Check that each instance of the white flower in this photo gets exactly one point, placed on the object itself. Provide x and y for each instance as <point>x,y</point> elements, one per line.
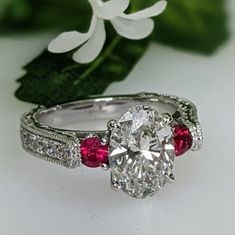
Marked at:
<point>133,26</point>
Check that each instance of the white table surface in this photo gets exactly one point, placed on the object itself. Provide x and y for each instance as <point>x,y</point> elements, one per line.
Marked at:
<point>37,197</point>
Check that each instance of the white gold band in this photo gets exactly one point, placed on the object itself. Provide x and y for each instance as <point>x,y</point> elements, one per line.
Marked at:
<point>139,146</point>
<point>43,136</point>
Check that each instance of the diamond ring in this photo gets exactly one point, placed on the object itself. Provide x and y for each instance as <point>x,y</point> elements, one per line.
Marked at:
<point>136,136</point>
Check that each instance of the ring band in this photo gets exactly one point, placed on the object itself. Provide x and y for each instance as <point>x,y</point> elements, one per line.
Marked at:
<point>135,136</point>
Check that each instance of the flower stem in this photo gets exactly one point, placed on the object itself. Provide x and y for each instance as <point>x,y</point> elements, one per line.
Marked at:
<point>100,59</point>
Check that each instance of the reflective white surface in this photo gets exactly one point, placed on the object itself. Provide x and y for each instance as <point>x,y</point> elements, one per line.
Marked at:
<point>37,197</point>
<point>94,114</point>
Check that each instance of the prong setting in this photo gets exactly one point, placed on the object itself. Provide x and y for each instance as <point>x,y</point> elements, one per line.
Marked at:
<point>112,124</point>
<point>105,166</point>
<point>169,178</point>
<point>167,119</point>
<point>116,186</point>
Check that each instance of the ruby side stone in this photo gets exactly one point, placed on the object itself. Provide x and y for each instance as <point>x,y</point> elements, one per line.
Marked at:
<point>93,152</point>
<point>182,139</point>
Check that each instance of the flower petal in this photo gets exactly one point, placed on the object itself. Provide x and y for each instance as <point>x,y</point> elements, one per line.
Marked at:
<point>70,40</point>
<point>89,51</point>
<point>152,11</point>
<point>67,41</point>
<point>133,29</point>
<point>110,9</point>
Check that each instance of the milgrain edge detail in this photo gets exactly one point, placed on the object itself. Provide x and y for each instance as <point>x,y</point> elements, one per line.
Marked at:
<point>69,140</point>
<point>188,115</point>
<point>67,145</point>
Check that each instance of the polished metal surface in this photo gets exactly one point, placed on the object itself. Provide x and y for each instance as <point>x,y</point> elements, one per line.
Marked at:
<point>66,125</point>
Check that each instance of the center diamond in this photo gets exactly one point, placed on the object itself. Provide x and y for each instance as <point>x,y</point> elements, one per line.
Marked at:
<point>141,153</point>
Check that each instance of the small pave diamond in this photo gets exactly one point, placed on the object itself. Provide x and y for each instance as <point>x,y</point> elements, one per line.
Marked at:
<point>141,152</point>
<point>52,150</point>
<point>71,156</point>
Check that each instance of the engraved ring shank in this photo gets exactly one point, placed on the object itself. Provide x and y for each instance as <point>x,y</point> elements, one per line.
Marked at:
<point>54,133</point>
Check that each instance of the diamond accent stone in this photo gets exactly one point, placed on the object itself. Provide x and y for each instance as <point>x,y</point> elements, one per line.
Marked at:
<point>141,152</point>
<point>50,149</point>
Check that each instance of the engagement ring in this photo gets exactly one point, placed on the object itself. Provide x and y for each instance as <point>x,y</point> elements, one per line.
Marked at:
<point>136,136</point>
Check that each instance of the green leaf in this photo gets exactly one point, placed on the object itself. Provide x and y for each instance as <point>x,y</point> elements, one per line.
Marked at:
<point>56,78</point>
<point>194,25</point>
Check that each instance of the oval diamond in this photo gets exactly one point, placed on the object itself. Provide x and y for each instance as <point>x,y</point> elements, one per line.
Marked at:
<point>141,154</point>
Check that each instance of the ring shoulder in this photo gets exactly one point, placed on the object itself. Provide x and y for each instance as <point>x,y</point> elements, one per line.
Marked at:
<point>48,144</point>
<point>186,113</point>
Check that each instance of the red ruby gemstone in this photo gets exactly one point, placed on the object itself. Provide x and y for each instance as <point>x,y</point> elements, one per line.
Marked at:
<point>182,139</point>
<point>93,152</point>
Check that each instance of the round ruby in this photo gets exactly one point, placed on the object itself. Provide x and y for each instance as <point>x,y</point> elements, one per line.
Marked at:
<point>93,152</point>
<point>182,139</point>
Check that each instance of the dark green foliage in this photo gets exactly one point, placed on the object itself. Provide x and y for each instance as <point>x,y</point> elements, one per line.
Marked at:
<point>34,15</point>
<point>196,25</point>
<point>53,78</point>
